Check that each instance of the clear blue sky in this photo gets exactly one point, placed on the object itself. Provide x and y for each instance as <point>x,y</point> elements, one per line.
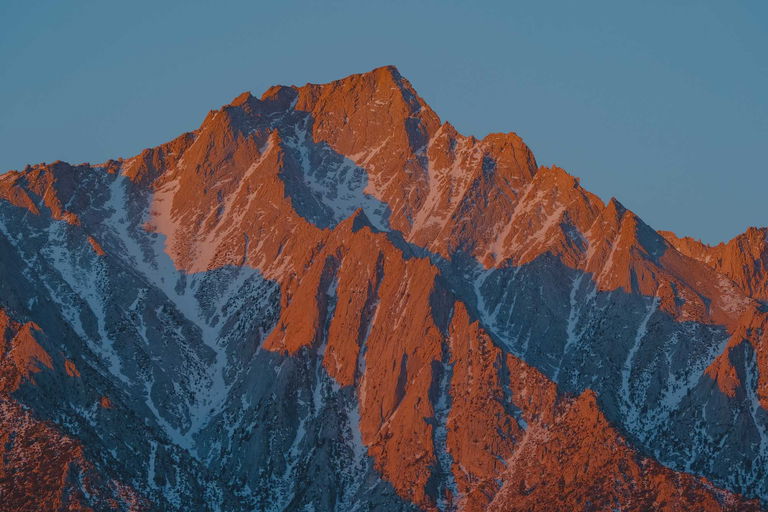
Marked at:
<point>661,104</point>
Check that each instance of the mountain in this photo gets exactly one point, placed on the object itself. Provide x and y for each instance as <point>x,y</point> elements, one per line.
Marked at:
<point>326,298</point>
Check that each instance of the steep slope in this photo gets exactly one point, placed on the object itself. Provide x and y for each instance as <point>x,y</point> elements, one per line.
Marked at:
<point>327,299</point>
<point>744,259</point>
<point>41,468</point>
<point>579,462</point>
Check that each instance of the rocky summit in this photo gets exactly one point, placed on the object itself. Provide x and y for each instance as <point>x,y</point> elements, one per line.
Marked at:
<point>328,299</point>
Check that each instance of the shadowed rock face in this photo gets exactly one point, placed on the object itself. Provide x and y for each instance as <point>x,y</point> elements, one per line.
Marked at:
<point>328,299</point>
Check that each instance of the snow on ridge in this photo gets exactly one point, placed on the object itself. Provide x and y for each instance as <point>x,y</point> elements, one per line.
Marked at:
<point>338,182</point>
<point>146,253</point>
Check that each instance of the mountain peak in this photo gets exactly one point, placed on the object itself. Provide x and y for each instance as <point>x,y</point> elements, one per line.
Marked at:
<point>388,74</point>
<point>615,208</point>
<point>328,279</point>
<point>242,98</point>
<point>378,87</point>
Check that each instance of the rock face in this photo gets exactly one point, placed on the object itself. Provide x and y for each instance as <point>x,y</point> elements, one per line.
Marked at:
<point>743,259</point>
<point>328,299</point>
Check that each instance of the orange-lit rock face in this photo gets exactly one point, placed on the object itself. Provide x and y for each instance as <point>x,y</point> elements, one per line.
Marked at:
<point>577,461</point>
<point>743,259</point>
<point>23,356</point>
<point>327,298</point>
<point>71,368</point>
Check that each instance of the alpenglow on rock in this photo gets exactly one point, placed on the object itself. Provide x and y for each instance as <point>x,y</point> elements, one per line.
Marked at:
<point>327,299</point>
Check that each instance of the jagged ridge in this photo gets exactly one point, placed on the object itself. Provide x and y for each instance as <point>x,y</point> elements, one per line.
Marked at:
<point>328,298</point>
